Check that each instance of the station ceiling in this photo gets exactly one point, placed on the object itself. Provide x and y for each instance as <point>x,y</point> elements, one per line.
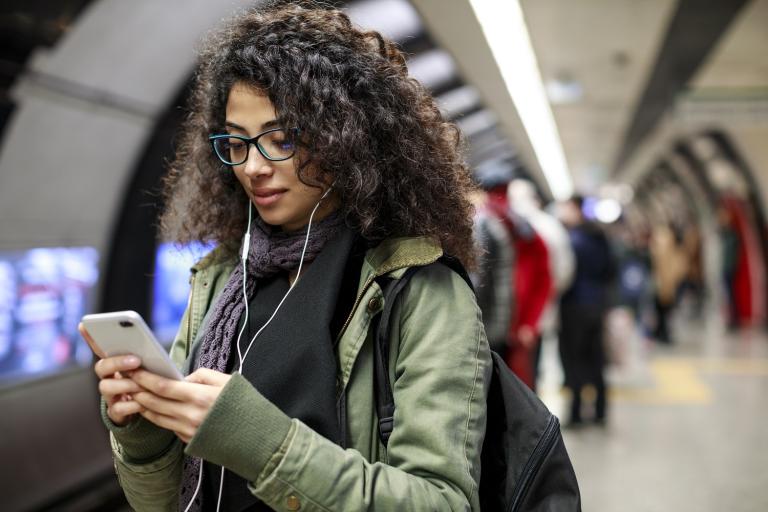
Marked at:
<point>102,73</point>
<point>614,70</point>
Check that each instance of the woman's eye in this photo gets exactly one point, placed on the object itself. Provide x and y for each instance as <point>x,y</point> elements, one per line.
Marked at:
<point>233,145</point>
<point>284,144</point>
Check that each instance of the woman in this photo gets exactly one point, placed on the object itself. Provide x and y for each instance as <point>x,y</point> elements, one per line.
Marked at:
<point>307,134</point>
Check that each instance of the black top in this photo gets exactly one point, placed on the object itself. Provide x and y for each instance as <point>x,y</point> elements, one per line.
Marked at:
<point>292,362</point>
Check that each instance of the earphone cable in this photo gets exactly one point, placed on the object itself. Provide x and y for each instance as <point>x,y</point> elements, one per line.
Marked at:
<point>244,258</point>
<point>197,489</point>
<point>221,490</point>
<point>241,356</point>
<point>298,274</point>
<point>244,254</point>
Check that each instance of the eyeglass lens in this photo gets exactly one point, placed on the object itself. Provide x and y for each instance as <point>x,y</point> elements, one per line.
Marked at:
<point>273,145</point>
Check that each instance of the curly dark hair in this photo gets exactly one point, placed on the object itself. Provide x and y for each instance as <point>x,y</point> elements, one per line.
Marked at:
<point>397,165</point>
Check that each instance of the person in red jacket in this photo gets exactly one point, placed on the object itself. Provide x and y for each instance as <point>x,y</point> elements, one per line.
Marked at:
<point>532,286</point>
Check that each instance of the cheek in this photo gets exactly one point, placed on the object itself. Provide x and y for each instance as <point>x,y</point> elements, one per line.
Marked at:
<point>309,195</point>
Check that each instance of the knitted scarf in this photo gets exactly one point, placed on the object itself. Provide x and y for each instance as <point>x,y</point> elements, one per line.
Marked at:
<point>271,251</point>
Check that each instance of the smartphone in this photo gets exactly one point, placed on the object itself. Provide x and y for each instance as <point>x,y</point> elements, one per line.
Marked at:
<point>125,332</point>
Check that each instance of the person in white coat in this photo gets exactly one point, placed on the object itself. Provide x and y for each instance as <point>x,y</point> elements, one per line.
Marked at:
<point>524,200</point>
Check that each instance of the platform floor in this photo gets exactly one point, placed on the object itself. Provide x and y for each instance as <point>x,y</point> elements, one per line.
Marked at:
<point>687,427</point>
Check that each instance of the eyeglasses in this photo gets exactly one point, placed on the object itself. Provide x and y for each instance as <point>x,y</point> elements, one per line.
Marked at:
<point>275,145</point>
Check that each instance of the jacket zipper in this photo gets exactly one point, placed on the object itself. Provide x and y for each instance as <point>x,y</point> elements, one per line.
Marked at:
<point>355,306</point>
<point>534,463</point>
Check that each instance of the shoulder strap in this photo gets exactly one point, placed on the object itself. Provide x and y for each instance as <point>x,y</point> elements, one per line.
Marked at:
<point>454,264</point>
<point>385,400</point>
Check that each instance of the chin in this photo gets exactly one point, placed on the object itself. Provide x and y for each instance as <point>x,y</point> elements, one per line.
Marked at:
<point>268,217</point>
<point>271,220</point>
<point>277,221</point>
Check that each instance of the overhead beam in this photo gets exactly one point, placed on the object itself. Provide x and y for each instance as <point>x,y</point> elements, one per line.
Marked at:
<point>696,27</point>
<point>456,28</point>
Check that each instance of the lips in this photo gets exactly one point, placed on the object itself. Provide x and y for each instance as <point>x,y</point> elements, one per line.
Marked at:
<point>266,196</point>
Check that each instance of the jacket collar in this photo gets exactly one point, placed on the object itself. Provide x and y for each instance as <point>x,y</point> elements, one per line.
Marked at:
<point>396,254</point>
<point>390,255</point>
<point>216,257</point>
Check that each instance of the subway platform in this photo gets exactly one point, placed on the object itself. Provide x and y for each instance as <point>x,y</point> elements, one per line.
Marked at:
<point>687,425</point>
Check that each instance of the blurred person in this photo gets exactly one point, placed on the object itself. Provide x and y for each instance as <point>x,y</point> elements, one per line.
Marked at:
<point>582,310</point>
<point>693,281</point>
<point>525,201</point>
<point>633,262</point>
<point>669,267</point>
<point>630,296</point>
<point>730,248</point>
<point>532,286</point>
<point>311,129</point>
<point>493,276</point>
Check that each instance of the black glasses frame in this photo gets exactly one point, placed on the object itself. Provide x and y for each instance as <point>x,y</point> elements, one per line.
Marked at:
<point>252,141</point>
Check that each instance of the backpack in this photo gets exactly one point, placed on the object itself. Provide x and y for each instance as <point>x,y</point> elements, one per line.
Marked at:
<point>524,463</point>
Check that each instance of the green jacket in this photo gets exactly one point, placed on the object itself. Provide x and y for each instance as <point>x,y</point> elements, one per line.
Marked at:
<point>440,376</point>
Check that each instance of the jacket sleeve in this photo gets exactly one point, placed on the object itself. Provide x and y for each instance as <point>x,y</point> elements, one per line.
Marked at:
<point>441,375</point>
<point>153,484</point>
<point>148,459</point>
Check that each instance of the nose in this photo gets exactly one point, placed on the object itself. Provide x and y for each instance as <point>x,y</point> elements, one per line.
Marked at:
<point>257,165</point>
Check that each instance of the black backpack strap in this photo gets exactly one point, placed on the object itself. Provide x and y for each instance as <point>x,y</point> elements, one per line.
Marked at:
<point>385,400</point>
<point>454,264</point>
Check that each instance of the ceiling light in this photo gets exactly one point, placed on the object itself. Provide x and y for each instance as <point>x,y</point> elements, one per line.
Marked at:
<point>458,100</point>
<point>607,211</point>
<point>394,19</point>
<point>562,91</point>
<point>507,36</point>
<point>475,123</point>
<point>433,68</point>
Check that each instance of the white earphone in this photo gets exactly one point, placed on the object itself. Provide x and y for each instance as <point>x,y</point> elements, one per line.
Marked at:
<point>241,356</point>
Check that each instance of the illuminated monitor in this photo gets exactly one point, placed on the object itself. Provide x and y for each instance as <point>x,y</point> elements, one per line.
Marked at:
<point>43,294</point>
<point>171,286</point>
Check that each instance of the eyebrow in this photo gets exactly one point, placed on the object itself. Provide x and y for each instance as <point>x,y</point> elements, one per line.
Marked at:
<point>266,126</point>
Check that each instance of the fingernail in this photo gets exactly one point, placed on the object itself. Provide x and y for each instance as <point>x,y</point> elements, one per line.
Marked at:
<point>131,360</point>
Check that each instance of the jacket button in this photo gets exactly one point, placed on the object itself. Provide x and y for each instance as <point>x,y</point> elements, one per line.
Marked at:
<point>292,503</point>
<point>374,305</point>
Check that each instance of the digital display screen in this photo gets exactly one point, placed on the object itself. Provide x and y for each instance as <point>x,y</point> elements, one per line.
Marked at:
<point>44,292</point>
<point>171,286</point>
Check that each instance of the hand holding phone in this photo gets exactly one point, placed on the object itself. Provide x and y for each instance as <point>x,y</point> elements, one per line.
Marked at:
<point>125,332</point>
